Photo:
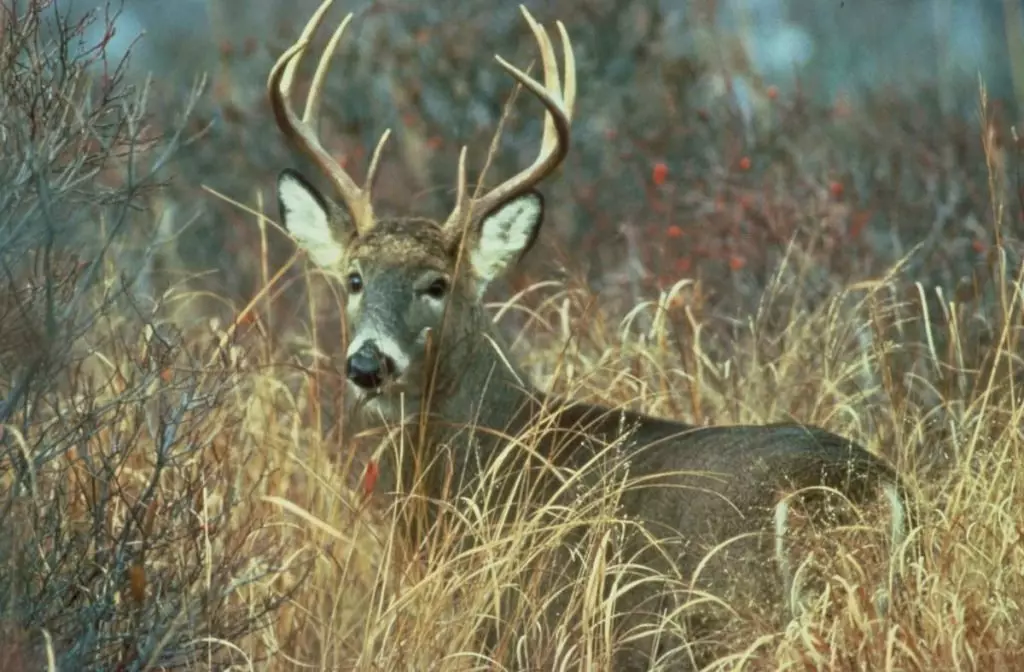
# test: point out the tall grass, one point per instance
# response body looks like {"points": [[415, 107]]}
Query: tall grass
{"points": [[929, 381], [195, 499], [266, 499]]}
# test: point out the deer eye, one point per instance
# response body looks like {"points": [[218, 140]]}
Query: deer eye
{"points": [[437, 289], [354, 282]]}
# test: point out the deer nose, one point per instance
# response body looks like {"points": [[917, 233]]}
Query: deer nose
{"points": [[368, 367]]}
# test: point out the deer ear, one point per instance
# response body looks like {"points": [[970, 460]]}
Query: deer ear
{"points": [[505, 235], [307, 216]]}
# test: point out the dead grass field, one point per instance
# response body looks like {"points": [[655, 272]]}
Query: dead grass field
{"points": [[192, 498], [271, 512]]}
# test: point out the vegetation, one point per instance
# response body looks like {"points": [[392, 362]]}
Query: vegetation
{"points": [[178, 485]]}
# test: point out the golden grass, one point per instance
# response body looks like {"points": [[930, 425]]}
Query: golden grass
{"points": [[273, 507], [370, 604], [290, 496]]}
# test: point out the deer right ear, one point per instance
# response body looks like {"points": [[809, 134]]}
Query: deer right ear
{"points": [[505, 235], [306, 215]]}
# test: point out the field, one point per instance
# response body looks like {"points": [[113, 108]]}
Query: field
{"points": [[179, 487]]}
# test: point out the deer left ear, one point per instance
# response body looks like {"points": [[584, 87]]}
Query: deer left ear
{"points": [[306, 215], [506, 235]]}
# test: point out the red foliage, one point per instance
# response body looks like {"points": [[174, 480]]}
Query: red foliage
{"points": [[659, 173], [370, 477]]}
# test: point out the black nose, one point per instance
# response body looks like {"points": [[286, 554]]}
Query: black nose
{"points": [[368, 367]]}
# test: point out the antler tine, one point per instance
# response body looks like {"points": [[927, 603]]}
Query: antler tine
{"points": [[461, 200], [559, 103], [301, 133]]}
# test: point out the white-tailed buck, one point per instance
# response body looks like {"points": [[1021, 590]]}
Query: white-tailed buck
{"points": [[423, 351]]}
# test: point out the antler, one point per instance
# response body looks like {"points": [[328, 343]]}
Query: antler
{"points": [[555, 143], [301, 132]]}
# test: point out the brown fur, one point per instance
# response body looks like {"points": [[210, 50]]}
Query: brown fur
{"points": [[405, 242], [702, 486], [432, 364]]}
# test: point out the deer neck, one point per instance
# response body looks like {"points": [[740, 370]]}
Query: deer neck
{"points": [[478, 399], [481, 390]]}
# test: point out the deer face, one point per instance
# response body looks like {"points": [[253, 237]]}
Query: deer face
{"points": [[401, 279], [406, 279]]}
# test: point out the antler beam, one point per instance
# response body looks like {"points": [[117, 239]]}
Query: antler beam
{"points": [[559, 103], [301, 133]]}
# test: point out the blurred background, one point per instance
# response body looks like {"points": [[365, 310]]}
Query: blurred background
{"points": [[831, 47], [709, 135], [698, 88], [772, 160], [704, 123]]}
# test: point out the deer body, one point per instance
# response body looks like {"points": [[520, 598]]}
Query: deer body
{"points": [[424, 353], [732, 478]]}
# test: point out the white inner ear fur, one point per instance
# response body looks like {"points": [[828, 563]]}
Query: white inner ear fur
{"points": [[505, 235], [307, 220]]}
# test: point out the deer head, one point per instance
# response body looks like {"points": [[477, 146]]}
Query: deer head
{"points": [[402, 277]]}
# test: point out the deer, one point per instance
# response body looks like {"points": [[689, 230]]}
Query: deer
{"points": [[422, 351]]}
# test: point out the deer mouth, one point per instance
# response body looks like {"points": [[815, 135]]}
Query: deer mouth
{"points": [[389, 402], [386, 389]]}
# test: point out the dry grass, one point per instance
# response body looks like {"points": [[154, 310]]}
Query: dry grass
{"points": [[171, 501], [962, 601], [297, 503]]}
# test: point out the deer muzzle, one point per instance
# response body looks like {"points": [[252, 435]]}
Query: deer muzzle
{"points": [[368, 368]]}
